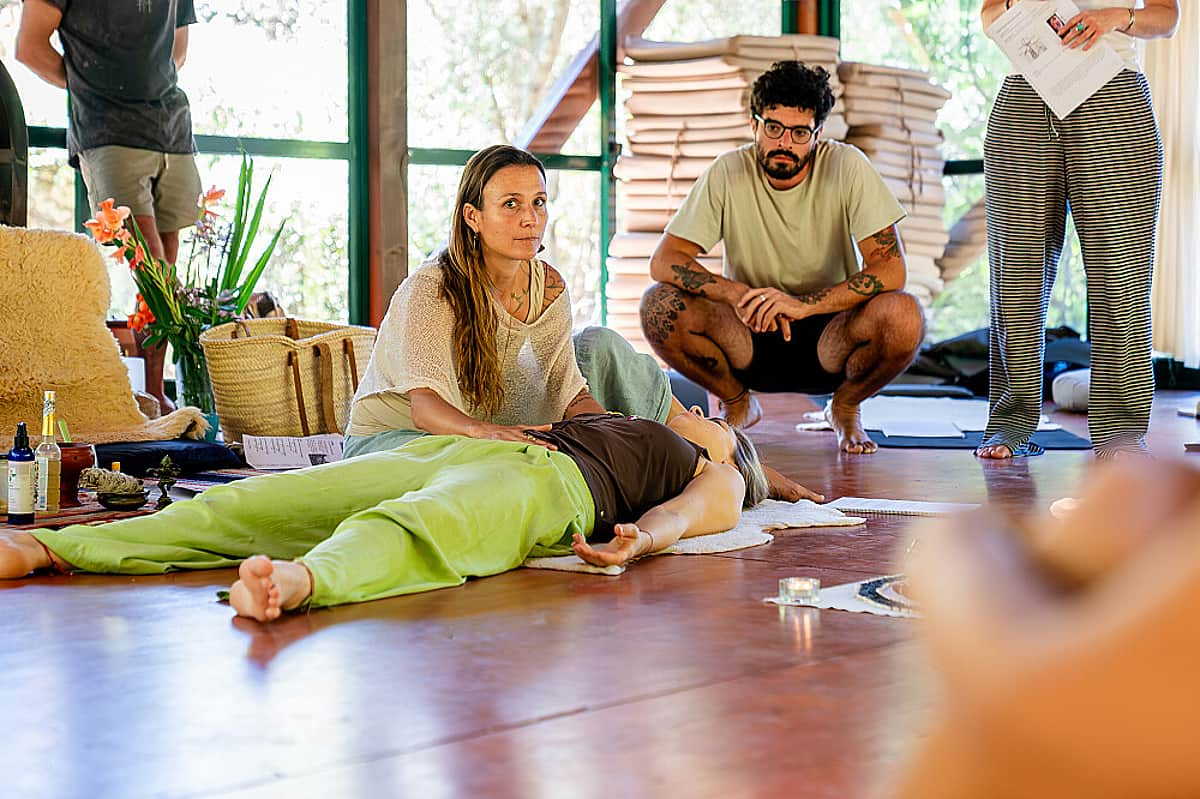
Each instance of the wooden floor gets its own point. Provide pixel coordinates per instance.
(674, 680)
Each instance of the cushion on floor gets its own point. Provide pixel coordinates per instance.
(1070, 390)
(137, 457)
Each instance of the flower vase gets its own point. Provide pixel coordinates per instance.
(192, 387)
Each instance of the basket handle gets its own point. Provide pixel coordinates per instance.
(294, 363)
(348, 351)
(325, 356)
(291, 329)
(245, 328)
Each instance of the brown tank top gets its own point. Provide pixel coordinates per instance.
(630, 464)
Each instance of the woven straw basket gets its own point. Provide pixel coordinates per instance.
(285, 377)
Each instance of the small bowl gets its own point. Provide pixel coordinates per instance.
(123, 501)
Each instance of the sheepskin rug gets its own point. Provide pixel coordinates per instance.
(54, 297)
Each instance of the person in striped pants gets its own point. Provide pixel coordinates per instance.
(1102, 164)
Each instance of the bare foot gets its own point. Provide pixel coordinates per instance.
(783, 487)
(846, 423)
(20, 554)
(269, 587)
(742, 411)
(994, 452)
(629, 543)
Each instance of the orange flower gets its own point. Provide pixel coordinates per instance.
(142, 316)
(99, 232)
(108, 221)
(208, 198)
(138, 258)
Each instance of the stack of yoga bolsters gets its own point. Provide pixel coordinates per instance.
(892, 114)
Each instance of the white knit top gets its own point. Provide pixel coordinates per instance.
(415, 349)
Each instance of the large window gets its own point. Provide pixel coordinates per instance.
(254, 70)
(695, 20)
(945, 39)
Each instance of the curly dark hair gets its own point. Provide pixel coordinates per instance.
(792, 84)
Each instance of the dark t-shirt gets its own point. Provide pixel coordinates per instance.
(121, 75)
(630, 464)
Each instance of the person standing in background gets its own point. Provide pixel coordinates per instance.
(1104, 163)
(129, 129)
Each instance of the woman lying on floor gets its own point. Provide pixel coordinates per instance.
(429, 514)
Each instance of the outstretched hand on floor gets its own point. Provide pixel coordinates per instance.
(629, 542)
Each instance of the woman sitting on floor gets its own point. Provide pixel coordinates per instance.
(429, 514)
(477, 341)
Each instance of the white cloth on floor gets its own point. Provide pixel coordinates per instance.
(966, 414)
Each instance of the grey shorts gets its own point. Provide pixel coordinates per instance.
(165, 186)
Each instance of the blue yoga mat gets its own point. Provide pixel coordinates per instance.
(1048, 439)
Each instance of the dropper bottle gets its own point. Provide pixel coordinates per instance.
(22, 480)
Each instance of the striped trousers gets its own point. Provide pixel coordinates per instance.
(1103, 164)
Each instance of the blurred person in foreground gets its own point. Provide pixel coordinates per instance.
(1066, 646)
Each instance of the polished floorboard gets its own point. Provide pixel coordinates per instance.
(674, 680)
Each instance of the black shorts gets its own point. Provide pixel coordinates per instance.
(779, 365)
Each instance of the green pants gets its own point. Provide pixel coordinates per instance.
(427, 515)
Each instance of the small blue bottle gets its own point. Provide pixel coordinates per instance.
(22, 479)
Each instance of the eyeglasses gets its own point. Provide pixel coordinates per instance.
(775, 130)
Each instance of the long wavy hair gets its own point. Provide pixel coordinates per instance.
(465, 282)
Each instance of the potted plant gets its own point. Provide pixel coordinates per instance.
(176, 302)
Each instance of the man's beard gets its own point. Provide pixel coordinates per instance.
(785, 171)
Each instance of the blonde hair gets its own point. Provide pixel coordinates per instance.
(745, 458)
(465, 282)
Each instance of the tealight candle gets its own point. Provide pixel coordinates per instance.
(793, 590)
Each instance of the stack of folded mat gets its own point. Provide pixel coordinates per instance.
(891, 113)
(688, 103)
(968, 241)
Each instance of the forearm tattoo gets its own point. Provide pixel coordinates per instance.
(691, 279)
(887, 243)
(660, 309)
(865, 284)
(813, 297)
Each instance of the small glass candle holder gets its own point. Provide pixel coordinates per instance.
(794, 590)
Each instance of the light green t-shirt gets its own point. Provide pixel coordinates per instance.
(798, 240)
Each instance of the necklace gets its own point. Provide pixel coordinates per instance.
(515, 295)
(518, 295)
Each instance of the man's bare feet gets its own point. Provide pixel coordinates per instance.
(994, 452)
(20, 554)
(845, 421)
(269, 587)
(742, 411)
(629, 542)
